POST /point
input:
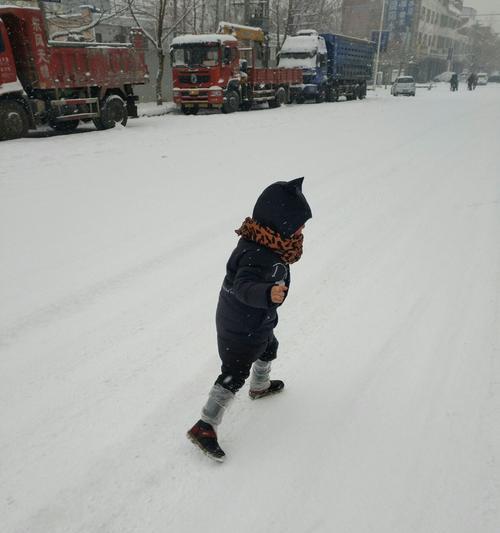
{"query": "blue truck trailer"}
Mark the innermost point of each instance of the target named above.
(333, 65)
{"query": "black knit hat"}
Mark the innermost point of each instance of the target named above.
(283, 207)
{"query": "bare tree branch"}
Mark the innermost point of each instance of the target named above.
(104, 17)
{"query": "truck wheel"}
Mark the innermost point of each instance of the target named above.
(65, 127)
(13, 120)
(113, 112)
(331, 96)
(232, 102)
(320, 97)
(279, 98)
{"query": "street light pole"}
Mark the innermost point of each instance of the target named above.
(377, 57)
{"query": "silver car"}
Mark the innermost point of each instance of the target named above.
(403, 85)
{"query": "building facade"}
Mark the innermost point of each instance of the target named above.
(426, 37)
(439, 43)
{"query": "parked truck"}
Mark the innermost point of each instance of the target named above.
(332, 65)
(61, 83)
(228, 70)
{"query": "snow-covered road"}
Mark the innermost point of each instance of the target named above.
(113, 248)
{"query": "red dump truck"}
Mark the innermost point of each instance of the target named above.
(61, 83)
(228, 70)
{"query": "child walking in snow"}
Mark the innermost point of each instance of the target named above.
(256, 284)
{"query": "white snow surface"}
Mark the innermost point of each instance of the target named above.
(114, 246)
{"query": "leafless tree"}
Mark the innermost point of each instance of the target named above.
(159, 20)
(74, 25)
(289, 16)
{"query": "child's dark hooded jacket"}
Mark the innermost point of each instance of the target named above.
(245, 312)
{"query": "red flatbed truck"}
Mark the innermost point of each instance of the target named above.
(227, 70)
(60, 83)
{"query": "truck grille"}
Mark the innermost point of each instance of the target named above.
(200, 78)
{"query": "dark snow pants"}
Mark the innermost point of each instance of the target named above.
(238, 358)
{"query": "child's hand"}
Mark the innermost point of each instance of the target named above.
(278, 293)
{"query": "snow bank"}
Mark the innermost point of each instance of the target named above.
(151, 109)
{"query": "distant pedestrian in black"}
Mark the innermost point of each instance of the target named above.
(454, 82)
(256, 284)
(470, 81)
(473, 81)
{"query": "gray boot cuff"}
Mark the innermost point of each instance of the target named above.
(218, 401)
(260, 375)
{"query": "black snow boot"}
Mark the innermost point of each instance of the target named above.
(275, 387)
(204, 436)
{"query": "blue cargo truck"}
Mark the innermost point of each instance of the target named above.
(333, 65)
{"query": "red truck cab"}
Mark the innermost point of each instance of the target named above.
(203, 68)
(14, 111)
(228, 70)
(8, 74)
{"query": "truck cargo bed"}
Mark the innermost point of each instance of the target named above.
(349, 57)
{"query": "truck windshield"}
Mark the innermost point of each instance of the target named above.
(195, 56)
(297, 55)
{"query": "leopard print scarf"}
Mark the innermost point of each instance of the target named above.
(290, 249)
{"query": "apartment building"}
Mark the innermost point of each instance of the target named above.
(439, 43)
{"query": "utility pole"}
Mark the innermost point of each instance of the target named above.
(377, 57)
(246, 12)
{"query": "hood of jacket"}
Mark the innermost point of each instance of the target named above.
(283, 207)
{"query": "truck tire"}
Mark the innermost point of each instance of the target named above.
(279, 98)
(65, 127)
(232, 102)
(320, 97)
(13, 120)
(332, 95)
(113, 112)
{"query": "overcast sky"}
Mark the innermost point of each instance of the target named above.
(486, 6)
